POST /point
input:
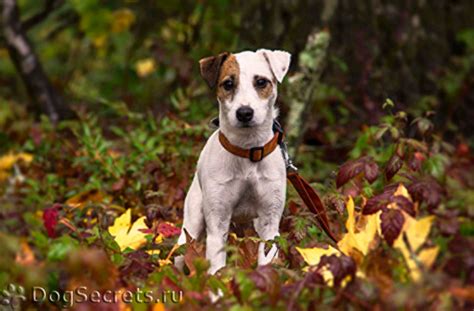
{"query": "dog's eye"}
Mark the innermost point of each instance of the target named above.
(261, 83)
(228, 85)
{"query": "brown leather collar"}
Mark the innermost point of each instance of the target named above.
(254, 154)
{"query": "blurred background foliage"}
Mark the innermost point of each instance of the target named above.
(385, 84)
(145, 53)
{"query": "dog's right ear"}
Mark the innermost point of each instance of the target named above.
(210, 68)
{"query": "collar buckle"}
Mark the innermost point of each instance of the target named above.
(256, 151)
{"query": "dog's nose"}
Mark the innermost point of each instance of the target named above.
(244, 114)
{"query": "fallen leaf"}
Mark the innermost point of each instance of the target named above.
(127, 234)
(8, 160)
(86, 197)
(25, 255)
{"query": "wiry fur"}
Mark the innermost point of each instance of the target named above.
(228, 188)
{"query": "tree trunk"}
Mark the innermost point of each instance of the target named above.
(47, 100)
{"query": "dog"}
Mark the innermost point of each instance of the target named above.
(227, 187)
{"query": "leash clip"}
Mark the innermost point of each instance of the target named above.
(290, 167)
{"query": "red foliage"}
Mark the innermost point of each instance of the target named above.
(168, 230)
(392, 223)
(50, 219)
(351, 169)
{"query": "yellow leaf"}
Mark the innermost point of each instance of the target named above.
(7, 161)
(121, 222)
(427, 256)
(312, 256)
(145, 67)
(327, 276)
(402, 191)
(417, 232)
(127, 234)
(361, 240)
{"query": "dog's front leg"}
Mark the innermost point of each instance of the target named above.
(268, 221)
(218, 218)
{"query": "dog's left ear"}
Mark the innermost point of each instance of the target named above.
(210, 68)
(279, 62)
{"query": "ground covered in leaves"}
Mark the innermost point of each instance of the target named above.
(100, 206)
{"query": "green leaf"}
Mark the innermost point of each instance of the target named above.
(61, 248)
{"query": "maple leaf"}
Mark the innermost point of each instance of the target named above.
(358, 241)
(352, 245)
(128, 235)
(416, 232)
(313, 256)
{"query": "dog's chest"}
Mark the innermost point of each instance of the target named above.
(250, 184)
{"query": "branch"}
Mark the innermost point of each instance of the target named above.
(39, 17)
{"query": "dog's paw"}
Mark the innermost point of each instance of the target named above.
(215, 297)
(179, 262)
(267, 258)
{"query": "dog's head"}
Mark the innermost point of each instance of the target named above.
(246, 84)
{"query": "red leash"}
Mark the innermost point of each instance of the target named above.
(312, 201)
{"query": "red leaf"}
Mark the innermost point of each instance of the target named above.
(391, 223)
(50, 219)
(375, 203)
(168, 230)
(371, 170)
(428, 191)
(349, 170)
(267, 280)
(393, 166)
(340, 267)
(405, 204)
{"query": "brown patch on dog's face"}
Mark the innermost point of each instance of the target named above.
(263, 86)
(210, 68)
(228, 79)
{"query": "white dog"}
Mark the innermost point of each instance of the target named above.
(228, 187)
